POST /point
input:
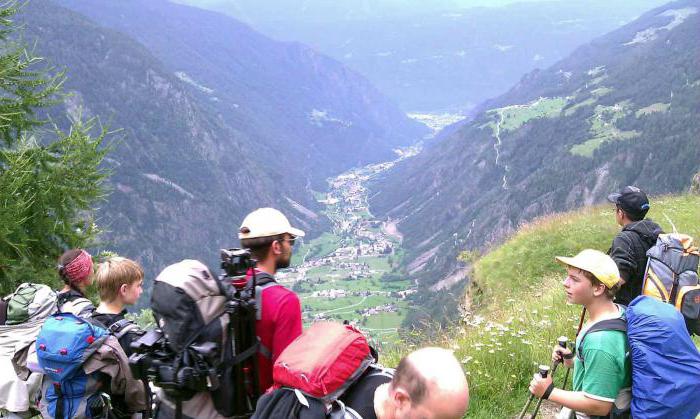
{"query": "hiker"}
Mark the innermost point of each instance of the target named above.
(270, 238)
(119, 281)
(629, 247)
(84, 367)
(75, 268)
(204, 341)
(428, 383)
(27, 309)
(605, 379)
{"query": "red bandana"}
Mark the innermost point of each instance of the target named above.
(80, 268)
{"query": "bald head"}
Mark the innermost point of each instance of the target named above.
(428, 383)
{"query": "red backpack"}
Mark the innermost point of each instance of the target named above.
(324, 361)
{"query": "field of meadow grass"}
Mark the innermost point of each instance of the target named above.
(516, 308)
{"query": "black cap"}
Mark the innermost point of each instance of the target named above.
(632, 200)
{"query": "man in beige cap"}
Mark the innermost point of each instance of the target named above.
(270, 238)
(602, 368)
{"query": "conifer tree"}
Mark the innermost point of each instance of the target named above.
(49, 179)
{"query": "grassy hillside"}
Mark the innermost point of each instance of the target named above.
(517, 303)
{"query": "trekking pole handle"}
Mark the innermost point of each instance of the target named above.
(562, 341)
(544, 371)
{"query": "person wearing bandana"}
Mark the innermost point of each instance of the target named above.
(76, 269)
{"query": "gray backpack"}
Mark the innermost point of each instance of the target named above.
(30, 301)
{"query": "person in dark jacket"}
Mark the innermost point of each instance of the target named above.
(629, 247)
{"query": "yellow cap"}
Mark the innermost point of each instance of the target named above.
(598, 263)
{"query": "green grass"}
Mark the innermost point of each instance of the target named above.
(515, 116)
(518, 308)
(588, 102)
(655, 107)
(376, 262)
(384, 321)
(603, 128)
(601, 91)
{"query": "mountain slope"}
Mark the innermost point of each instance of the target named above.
(307, 107)
(620, 110)
(184, 175)
(175, 167)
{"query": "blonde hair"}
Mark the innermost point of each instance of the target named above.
(115, 272)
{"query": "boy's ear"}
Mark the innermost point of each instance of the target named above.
(122, 289)
(599, 289)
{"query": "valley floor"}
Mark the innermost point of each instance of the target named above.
(349, 272)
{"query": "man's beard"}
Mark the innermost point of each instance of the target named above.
(283, 261)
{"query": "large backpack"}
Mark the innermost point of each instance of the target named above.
(31, 305)
(665, 361)
(193, 309)
(319, 366)
(30, 301)
(672, 276)
(64, 343)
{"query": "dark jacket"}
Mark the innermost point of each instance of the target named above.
(126, 332)
(629, 251)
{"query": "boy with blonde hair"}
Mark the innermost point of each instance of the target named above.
(119, 281)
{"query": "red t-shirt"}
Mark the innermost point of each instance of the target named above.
(279, 325)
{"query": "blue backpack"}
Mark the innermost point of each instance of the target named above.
(64, 343)
(665, 361)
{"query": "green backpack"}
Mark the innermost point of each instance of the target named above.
(29, 302)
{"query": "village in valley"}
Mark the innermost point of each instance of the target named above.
(352, 272)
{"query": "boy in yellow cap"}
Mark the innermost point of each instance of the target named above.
(602, 368)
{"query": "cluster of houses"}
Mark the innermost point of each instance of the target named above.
(372, 311)
(349, 212)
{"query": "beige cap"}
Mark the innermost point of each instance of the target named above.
(264, 222)
(595, 262)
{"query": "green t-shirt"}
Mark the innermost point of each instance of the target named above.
(606, 368)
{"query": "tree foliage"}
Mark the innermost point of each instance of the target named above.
(49, 179)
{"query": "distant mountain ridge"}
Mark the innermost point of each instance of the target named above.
(437, 55)
(621, 110)
(189, 167)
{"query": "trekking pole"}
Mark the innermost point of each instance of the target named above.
(573, 345)
(544, 370)
(566, 376)
(562, 342)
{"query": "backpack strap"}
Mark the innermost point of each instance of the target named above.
(79, 301)
(121, 328)
(376, 370)
(3, 311)
(263, 280)
(619, 324)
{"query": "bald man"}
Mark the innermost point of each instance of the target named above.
(428, 384)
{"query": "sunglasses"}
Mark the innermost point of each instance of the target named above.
(291, 240)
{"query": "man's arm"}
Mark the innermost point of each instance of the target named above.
(287, 324)
(621, 253)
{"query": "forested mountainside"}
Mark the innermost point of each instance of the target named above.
(184, 176)
(438, 55)
(620, 110)
(318, 115)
